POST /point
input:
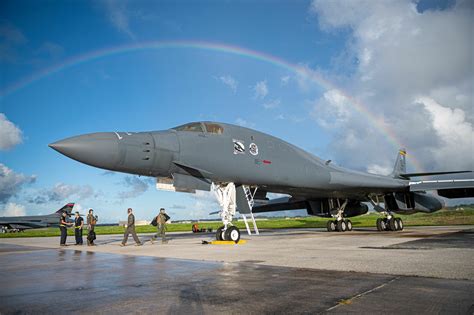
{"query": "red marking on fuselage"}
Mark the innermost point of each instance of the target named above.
(267, 162)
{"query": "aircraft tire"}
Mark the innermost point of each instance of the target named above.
(331, 226)
(341, 226)
(395, 223)
(379, 225)
(219, 234)
(232, 234)
(400, 224)
(391, 225)
(349, 225)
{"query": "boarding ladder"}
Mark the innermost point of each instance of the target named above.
(249, 196)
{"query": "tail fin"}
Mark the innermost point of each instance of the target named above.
(400, 164)
(67, 208)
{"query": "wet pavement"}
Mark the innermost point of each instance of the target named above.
(46, 280)
(65, 281)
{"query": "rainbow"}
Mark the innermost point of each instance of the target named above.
(304, 72)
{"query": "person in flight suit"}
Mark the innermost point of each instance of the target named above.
(78, 225)
(63, 224)
(91, 222)
(131, 229)
(161, 225)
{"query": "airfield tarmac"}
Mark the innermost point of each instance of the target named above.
(419, 270)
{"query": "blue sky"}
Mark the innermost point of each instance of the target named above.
(153, 89)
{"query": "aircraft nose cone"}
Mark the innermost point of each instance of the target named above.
(96, 149)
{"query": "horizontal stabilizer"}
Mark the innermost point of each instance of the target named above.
(408, 175)
(454, 188)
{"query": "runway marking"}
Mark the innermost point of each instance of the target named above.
(349, 300)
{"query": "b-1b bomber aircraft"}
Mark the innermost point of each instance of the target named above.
(21, 223)
(242, 166)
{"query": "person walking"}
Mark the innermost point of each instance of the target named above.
(161, 219)
(63, 224)
(78, 225)
(130, 229)
(91, 222)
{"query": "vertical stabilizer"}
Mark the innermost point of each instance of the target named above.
(400, 164)
(67, 208)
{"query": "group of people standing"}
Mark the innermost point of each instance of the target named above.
(78, 224)
(78, 228)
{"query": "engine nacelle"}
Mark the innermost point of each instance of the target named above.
(325, 208)
(413, 202)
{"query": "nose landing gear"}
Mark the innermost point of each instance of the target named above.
(226, 196)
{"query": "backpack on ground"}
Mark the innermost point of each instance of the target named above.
(91, 236)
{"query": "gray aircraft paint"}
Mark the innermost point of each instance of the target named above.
(37, 221)
(197, 158)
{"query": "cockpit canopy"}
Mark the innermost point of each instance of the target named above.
(201, 127)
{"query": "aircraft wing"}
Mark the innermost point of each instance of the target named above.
(453, 188)
(278, 204)
(22, 224)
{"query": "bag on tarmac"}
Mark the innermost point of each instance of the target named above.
(154, 222)
(91, 236)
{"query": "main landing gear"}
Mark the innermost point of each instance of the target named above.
(339, 224)
(226, 196)
(389, 224)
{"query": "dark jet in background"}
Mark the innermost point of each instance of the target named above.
(34, 222)
(242, 165)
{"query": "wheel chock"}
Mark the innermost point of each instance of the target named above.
(240, 242)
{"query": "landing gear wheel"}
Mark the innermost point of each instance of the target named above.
(391, 225)
(341, 226)
(395, 222)
(219, 234)
(232, 234)
(381, 224)
(349, 225)
(400, 224)
(331, 226)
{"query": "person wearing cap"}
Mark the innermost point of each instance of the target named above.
(130, 229)
(91, 222)
(78, 225)
(63, 224)
(161, 225)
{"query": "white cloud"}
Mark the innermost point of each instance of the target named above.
(119, 16)
(260, 89)
(50, 50)
(454, 132)
(10, 135)
(13, 210)
(271, 104)
(11, 39)
(284, 80)
(332, 110)
(11, 183)
(230, 82)
(398, 55)
(379, 169)
(65, 192)
(136, 187)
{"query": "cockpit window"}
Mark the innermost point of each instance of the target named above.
(214, 128)
(193, 127)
